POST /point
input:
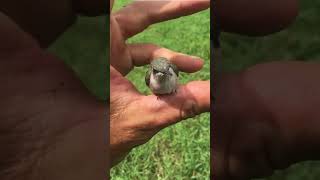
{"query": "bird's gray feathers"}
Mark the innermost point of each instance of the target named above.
(175, 69)
(162, 65)
(147, 78)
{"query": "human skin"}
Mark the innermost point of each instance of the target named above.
(18, 45)
(49, 121)
(136, 118)
(256, 18)
(47, 20)
(266, 117)
(51, 126)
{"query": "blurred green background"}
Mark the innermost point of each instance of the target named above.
(183, 150)
(84, 48)
(301, 41)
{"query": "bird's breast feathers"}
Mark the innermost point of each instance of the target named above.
(166, 87)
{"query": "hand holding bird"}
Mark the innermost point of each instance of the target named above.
(135, 118)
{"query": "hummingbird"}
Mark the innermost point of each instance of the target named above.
(162, 76)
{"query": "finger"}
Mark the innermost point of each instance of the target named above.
(256, 17)
(142, 54)
(137, 16)
(190, 100)
(13, 38)
(114, 74)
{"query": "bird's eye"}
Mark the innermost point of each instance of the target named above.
(155, 71)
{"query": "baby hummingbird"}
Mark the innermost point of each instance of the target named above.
(162, 76)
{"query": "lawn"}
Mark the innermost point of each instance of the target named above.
(181, 151)
(301, 41)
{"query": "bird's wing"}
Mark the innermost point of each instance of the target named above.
(147, 78)
(175, 69)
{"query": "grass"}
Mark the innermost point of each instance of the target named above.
(180, 151)
(301, 41)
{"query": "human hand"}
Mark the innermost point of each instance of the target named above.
(265, 121)
(135, 18)
(135, 118)
(47, 20)
(51, 126)
(243, 128)
(255, 18)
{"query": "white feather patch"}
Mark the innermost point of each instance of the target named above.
(167, 87)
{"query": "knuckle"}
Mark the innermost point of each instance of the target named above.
(188, 109)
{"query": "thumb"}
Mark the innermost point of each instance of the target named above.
(190, 100)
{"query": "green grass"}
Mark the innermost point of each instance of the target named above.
(301, 41)
(181, 151)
